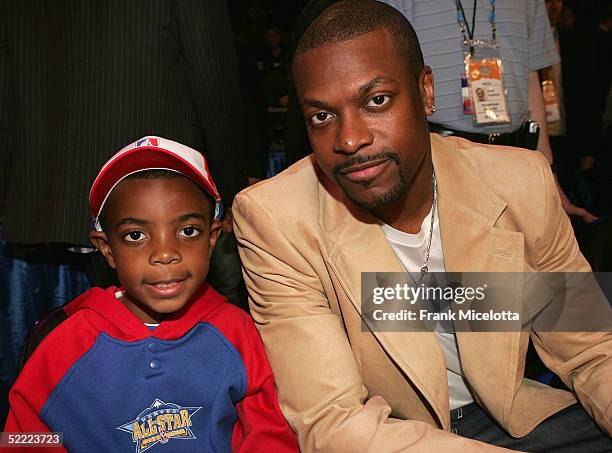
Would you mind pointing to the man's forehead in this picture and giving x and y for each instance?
(348, 64)
(355, 45)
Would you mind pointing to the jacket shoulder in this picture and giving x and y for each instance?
(72, 337)
(502, 164)
(294, 190)
(520, 177)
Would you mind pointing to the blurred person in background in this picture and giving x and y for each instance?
(562, 99)
(273, 63)
(520, 31)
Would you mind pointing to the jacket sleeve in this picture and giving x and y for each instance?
(261, 425)
(321, 391)
(26, 398)
(45, 370)
(583, 360)
(23, 416)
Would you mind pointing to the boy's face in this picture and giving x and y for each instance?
(159, 239)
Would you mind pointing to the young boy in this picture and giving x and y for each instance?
(162, 363)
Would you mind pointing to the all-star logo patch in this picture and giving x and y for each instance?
(160, 422)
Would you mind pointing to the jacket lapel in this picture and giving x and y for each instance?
(358, 245)
(468, 212)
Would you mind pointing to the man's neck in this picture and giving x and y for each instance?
(407, 214)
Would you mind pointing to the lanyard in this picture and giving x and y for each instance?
(466, 31)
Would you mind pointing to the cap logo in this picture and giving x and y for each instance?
(147, 141)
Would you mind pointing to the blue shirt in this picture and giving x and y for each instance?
(523, 37)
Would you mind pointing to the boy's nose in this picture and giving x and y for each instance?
(165, 252)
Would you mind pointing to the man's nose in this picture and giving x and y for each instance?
(165, 250)
(352, 134)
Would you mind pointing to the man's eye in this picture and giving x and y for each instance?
(189, 232)
(134, 236)
(379, 100)
(321, 117)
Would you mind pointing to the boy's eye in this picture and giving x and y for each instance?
(134, 236)
(378, 101)
(189, 232)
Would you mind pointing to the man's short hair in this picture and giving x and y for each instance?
(348, 19)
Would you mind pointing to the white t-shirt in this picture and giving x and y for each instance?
(411, 250)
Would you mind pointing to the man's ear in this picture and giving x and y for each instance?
(100, 241)
(215, 230)
(426, 85)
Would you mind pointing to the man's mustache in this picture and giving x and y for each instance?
(364, 159)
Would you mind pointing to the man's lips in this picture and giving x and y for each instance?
(365, 171)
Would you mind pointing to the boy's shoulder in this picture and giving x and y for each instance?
(72, 337)
(229, 318)
(56, 354)
(230, 312)
(236, 325)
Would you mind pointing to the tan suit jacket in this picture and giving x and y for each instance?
(304, 246)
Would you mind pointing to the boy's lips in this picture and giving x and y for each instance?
(166, 288)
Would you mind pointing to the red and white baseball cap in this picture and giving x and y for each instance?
(150, 153)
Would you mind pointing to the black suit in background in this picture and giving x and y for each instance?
(80, 79)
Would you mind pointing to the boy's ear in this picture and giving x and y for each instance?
(100, 241)
(215, 230)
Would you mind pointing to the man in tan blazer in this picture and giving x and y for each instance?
(307, 235)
